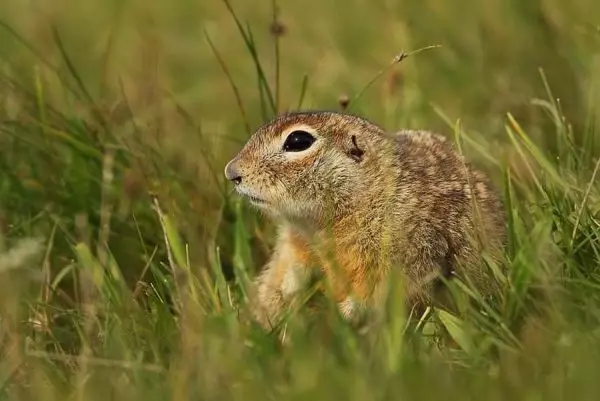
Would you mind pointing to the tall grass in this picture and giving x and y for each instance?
(125, 260)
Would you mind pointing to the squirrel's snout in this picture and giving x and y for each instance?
(232, 173)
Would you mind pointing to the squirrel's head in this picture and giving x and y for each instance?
(302, 164)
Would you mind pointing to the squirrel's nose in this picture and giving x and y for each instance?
(232, 173)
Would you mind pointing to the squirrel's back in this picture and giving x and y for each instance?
(439, 192)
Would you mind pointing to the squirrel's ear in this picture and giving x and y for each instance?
(352, 149)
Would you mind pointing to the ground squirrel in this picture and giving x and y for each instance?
(353, 202)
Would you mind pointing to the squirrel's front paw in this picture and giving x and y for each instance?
(352, 309)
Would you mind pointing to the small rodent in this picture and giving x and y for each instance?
(356, 203)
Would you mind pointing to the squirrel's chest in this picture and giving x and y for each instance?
(351, 262)
(346, 258)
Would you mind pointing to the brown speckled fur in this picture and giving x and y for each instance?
(410, 203)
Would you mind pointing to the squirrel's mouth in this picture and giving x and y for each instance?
(256, 201)
(253, 199)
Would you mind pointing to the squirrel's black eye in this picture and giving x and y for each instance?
(298, 141)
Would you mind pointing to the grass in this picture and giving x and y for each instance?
(125, 259)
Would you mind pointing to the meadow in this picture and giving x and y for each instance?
(125, 257)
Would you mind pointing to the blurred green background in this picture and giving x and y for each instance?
(107, 107)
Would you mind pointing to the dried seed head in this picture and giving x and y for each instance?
(278, 29)
(344, 101)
